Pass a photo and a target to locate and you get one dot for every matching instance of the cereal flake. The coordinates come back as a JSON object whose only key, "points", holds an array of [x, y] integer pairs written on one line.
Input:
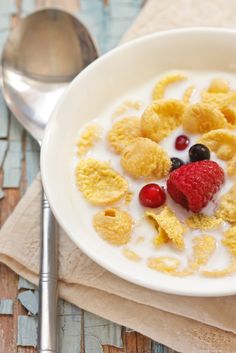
{"points": [[203, 222], [218, 85], [160, 87], [203, 117], [188, 93], [113, 225], [161, 118], [220, 100], [168, 226], [229, 240], [124, 132], [131, 255], [222, 142], [203, 248], [164, 264], [144, 158], [87, 140], [227, 206], [221, 272], [99, 183]]}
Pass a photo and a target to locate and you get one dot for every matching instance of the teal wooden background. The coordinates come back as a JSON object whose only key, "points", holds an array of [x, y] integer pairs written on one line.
{"points": [[19, 158]]}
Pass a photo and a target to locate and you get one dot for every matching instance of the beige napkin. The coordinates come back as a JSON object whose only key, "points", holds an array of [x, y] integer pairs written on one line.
{"points": [[186, 324]]}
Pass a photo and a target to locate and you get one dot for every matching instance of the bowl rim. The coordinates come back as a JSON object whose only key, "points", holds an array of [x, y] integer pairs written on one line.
{"points": [[137, 41]]}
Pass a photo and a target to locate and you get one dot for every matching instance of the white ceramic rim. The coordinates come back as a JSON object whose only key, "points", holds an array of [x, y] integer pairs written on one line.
{"points": [[93, 255]]}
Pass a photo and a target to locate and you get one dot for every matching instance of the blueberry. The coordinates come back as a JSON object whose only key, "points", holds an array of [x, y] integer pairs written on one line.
{"points": [[199, 152], [176, 163]]}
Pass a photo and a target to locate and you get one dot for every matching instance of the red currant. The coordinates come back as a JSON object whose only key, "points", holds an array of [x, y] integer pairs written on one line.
{"points": [[152, 195], [181, 142]]}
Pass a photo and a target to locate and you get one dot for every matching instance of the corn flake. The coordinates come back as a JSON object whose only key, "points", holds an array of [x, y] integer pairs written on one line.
{"points": [[227, 206], [159, 89], [99, 183], [221, 272], [131, 255], [161, 118], [230, 115], [220, 100], [218, 85], [128, 197], [168, 226], [125, 106], [163, 264], [203, 248], [231, 166], [203, 117], [113, 225], [188, 93], [123, 132], [89, 136], [144, 158], [203, 222], [222, 142], [230, 240]]}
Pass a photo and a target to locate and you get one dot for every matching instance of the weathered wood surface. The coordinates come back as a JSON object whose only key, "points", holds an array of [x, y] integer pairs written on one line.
{"points": [[78, 331]]}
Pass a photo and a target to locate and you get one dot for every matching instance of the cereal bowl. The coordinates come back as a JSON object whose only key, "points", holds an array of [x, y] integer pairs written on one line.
{"points": [[112, 79]]}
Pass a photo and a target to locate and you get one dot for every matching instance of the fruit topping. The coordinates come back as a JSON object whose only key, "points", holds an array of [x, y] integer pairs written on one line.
{"points": [[176, 163], [193, 185], [181, 142], [152, 195], [199, 152]]}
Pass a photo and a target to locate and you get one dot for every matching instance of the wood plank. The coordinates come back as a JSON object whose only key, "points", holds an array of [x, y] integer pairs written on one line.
{"points": [[6, 306], [8, 289], [32, 159], [3, 108], [24, 284], [69, 327], [99, 332], [12, 163], [27, 331], [29, 300]]}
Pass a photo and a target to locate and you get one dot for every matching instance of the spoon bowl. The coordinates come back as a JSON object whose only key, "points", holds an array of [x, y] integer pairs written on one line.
{"points": [[43, 53]]}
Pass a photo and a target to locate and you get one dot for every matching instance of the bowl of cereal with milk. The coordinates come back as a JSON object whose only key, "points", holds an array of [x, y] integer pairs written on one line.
{"points": [[139, 161]]}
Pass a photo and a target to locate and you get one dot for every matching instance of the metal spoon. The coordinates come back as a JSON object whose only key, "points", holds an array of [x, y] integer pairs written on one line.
{"points": [[43, 53]]}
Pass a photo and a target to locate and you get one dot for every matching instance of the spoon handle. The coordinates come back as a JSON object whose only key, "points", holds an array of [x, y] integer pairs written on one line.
{"points": [[47, 329]]}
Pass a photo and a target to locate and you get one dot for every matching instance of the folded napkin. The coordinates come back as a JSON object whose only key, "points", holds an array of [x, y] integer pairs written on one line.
{"points": [[186, 324]]}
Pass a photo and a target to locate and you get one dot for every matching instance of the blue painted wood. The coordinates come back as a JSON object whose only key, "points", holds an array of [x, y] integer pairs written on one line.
{"points": [[69, 327], [108, 24], [29, 300], [24, 284], [3, 116], [6, 306], [7, 7], [3, 149], [27, 331], [159, 348], [12, 162], [32, 159], [99, 332]]}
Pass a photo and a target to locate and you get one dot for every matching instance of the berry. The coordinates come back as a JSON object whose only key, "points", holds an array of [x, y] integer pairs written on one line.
{"points": [[193, 185], [199, 152], [176, 163], [181, 142], [152, 195]]}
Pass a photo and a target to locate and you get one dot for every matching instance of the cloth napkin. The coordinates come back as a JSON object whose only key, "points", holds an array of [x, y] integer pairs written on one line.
{"points": [[186, 324]]}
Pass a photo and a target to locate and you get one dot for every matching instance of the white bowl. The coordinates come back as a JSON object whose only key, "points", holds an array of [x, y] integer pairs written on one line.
{"points": [[109, 77]]}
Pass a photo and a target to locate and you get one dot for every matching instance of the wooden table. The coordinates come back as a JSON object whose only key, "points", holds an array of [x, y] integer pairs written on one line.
{"points": [[79, 331]]}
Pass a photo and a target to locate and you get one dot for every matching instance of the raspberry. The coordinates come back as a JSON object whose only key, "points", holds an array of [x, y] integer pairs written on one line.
{"points": [[193, 185], [152, 195]]}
